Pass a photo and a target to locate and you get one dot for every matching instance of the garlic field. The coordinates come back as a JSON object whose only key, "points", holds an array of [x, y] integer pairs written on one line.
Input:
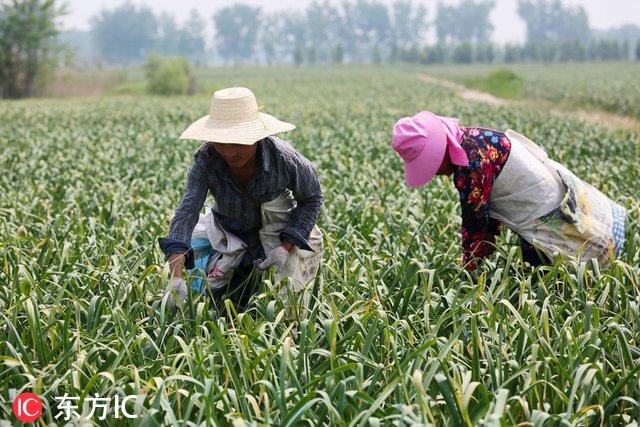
{"points": [[602, 86], [400, 335]]}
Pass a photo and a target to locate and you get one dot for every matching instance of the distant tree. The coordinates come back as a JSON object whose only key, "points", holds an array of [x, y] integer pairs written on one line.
{"points": [[579, 51], [467, 22], [394, 53], [376, 55], [80, 45], [372, 27], [463, 53], [125, 34], [294, 36], [490, 53], [601, 50], [312, 55], [269, 36], [335, 22], [625, 53], [572, 50], [607, 50], [411, 55], [548, 51], [338, 54], [434, 54], [348, 30], [626, 34], [168, 36], [551, 21], [638, 50], [376, 26], [511, 53], [445, 15], [424, 55], [321, 29], [485, 53], [565, 51], [28, 44], [535, 51], [186, 40], [407, 25], [237, 29], [614, 50], [298, 56], [191, 38], [591, 50]]}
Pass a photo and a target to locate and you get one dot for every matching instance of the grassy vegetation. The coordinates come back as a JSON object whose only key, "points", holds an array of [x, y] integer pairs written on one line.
{"points": [[503, 83], [609, 86], [401, 336]]}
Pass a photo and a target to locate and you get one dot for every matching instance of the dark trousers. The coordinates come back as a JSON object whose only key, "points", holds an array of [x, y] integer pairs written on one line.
{"points": [[244, 282], [531, 255]]}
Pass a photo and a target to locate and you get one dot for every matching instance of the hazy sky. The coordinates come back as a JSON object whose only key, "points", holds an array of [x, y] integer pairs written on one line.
{"points": [[508, 27]]}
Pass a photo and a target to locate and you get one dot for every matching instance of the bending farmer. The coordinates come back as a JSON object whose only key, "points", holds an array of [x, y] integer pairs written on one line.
{"points": [[267, 200], [506, 178]]}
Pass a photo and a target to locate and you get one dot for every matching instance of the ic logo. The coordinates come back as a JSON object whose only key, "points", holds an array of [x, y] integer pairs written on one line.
{"points": [[27, 407]]}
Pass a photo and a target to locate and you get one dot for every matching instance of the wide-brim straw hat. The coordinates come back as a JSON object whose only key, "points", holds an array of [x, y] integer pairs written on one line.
{"points": [[235, 118]]}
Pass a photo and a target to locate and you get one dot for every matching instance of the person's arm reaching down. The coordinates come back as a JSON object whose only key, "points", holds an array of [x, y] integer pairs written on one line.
{"points": [[177, 246], [306, 189], [478, 229]]}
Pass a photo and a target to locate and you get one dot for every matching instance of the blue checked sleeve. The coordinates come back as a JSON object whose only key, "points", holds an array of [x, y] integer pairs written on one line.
{"points": [[187, 213], [306, 189]]}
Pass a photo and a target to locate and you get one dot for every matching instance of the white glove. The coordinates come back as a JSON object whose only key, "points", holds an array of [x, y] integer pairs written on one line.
{"points": [[217, 278], [177, 291], [277, 258]]}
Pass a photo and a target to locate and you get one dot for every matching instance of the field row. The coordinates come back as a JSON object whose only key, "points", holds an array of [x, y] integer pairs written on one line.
{"points": [[612, 87], [400, 336]]}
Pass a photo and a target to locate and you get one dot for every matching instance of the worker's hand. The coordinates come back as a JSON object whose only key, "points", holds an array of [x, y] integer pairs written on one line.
{"points": [[176, 289], [277, 258], [217, 278], [176, 264]]}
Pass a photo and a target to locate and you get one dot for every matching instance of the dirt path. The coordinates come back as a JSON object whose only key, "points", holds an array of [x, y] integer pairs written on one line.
{"points": [[597, 118], [464, 92]]}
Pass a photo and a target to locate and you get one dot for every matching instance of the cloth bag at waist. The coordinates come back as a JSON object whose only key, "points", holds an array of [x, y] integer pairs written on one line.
{"points": [[547, 205], [217, 248], [525, 189]]}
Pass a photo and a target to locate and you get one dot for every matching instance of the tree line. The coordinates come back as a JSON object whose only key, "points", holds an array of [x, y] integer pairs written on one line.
{"points": [[357, 31], [366, 31]]}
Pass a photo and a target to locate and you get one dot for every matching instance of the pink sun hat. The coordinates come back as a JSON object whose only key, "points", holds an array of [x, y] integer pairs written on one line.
{"points": [[422, 140]]}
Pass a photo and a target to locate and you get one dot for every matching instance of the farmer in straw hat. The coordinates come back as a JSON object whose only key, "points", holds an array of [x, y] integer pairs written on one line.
{"points": [[504, 178], [244, 167]]}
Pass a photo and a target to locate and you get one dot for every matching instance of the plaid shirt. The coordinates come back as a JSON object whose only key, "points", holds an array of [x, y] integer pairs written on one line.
{"points": [[280, 166]]}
